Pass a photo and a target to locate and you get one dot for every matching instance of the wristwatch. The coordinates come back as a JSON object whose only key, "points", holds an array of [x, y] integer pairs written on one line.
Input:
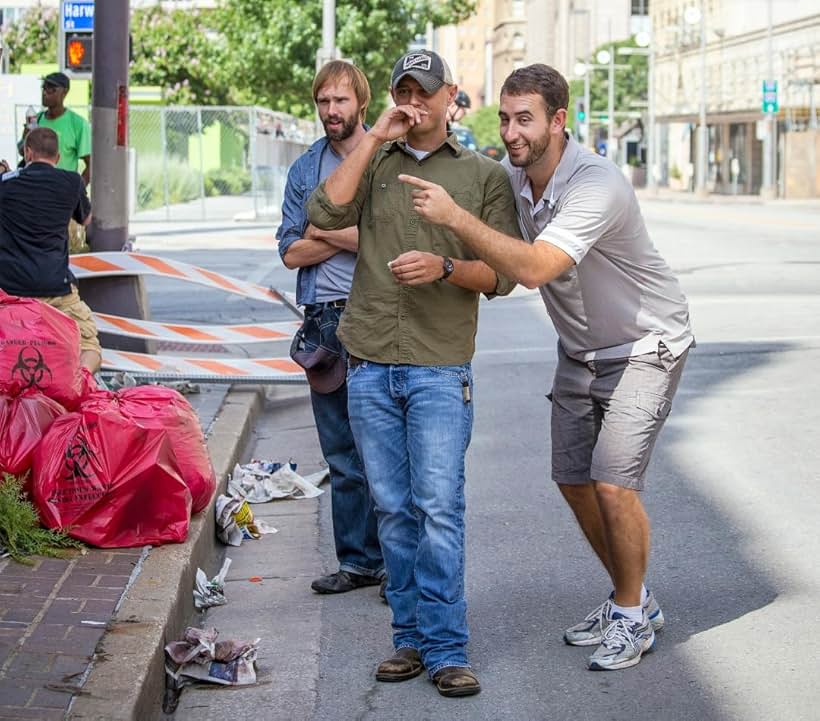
{"points": [[448, 266]]}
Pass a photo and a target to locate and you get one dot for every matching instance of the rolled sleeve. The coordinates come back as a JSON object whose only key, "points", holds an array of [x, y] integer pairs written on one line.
{"points": [[500, 214], [292, 227], [587, 213], [325, 214]]}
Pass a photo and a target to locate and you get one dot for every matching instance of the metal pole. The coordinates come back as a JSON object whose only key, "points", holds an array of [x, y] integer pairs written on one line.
{"points": [[651, 149], [163, 138], [768, 189], [109, 163], [587, 109], [109, 155], [253, 139], [328, 30], [610, 139], [703, 137], [489, 93], [201, 160]]}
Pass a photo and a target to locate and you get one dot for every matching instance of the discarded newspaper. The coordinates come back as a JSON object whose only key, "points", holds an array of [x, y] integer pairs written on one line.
{"points": [[211, 593], [263, 481], [235, 521], [199, 657]]}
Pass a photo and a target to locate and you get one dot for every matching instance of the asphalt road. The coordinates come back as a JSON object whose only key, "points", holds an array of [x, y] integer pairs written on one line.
{"points": [[733, 494]]}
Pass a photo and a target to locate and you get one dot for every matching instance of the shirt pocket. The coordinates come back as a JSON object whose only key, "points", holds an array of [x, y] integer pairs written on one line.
{"points": [[385, 201]]}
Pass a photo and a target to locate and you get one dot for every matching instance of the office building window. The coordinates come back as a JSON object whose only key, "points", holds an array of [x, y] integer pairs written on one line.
{"points": [[640, 7]]}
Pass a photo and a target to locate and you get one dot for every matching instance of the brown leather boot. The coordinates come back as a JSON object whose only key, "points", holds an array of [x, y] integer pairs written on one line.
{"points": [[403, 665], [456, 681]]}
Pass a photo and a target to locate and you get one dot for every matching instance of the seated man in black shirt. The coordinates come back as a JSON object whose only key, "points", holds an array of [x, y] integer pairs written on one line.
{"points": [[36, 204]]}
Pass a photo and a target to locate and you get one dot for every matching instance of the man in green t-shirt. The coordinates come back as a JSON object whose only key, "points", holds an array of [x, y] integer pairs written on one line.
{"points": [[72, 129]]}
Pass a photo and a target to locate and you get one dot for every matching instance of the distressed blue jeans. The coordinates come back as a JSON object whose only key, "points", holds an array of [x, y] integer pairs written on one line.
{"points": [[413, 427]]}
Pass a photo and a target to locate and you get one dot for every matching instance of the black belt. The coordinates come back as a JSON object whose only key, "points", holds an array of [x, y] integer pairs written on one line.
{"points": [[328, 304], [353, 361]]}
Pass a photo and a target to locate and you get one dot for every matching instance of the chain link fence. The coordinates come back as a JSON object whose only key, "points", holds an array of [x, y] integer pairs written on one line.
{"points": [[195, 163]]}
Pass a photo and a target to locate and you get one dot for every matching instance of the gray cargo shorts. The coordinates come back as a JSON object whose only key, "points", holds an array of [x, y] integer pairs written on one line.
{"points": [[607, 414]]}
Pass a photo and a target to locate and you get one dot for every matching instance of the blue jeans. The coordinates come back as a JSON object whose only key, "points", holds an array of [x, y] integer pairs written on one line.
{"points": [[355, 530], [413, 426]]}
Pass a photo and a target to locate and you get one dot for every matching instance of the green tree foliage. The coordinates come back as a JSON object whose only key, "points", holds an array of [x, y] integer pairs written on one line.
{"points": [[272, 44], [182, 52], [631, 85], [33, 38], [484, 124]]}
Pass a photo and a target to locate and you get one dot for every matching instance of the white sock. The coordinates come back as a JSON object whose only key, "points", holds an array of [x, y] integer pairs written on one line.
{"points": [[633, 613], [644, 595]]}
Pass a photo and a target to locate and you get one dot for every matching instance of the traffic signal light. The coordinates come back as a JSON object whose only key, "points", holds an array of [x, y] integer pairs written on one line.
{"points": [[79, 51], [580, 111]]}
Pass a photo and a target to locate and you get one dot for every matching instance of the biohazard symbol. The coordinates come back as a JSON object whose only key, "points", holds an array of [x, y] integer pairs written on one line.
{"points": [[78, 458], [31, 369]]}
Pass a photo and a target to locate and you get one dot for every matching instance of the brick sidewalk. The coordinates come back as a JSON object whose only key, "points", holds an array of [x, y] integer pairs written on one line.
{"points": [[54, 613]]}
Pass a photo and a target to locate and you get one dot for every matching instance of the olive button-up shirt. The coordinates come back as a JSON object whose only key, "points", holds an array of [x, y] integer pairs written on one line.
{"points": [[431, 324]]}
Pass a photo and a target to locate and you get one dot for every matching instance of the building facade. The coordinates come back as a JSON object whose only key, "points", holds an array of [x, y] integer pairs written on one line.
{"points": [[740, 53]]}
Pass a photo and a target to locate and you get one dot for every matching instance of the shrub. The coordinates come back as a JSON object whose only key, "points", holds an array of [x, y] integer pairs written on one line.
{"points": [[227, 181], [183, 181]]}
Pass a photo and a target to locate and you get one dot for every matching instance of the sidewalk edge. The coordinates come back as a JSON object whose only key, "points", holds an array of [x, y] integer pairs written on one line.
{"points": [[127, 679]]}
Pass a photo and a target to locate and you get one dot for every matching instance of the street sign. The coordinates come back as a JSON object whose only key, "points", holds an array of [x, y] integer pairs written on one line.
{"points": [[76, 37], [770, 103], [78, 15]]}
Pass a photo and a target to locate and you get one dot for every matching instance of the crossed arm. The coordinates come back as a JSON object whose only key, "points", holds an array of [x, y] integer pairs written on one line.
{"points": [[319, 245]]}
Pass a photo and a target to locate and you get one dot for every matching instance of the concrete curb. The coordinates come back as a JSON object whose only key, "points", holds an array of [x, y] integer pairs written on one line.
{"points": [[127, 679]]}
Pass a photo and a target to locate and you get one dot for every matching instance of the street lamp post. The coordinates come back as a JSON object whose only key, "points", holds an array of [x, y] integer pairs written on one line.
{"points": [[646, 47], [696, 15], [768, 189], [606, 59], [610, 130]]}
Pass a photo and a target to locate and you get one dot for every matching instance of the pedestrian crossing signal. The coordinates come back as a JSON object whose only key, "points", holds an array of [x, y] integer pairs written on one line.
{"points": [[79, 51]]}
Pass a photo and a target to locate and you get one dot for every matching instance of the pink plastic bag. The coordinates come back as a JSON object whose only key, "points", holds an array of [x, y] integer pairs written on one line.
{"points": [[158, 407], [24, 419], [109, 481], [39, 350]]}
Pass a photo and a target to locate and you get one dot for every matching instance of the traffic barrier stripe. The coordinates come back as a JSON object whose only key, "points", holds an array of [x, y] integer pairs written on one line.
{"points": [[271, 369], [189, 333], [91, 265]]}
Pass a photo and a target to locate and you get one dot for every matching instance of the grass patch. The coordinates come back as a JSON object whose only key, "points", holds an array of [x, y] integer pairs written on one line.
{"points": [[20, 531]]}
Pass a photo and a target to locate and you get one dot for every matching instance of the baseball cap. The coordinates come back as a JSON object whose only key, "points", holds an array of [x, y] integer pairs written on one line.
{"points": [[425, 66], [59, 79]]}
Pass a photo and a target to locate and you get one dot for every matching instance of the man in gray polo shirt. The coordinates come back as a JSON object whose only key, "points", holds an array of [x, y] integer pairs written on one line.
{"points": [[624, 333]]}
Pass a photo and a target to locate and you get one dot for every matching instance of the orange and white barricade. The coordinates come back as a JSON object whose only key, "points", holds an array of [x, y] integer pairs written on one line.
{"points": [[167, 367]]}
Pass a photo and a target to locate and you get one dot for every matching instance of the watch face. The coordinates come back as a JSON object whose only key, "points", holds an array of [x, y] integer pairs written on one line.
{"points": [[448, 267]]}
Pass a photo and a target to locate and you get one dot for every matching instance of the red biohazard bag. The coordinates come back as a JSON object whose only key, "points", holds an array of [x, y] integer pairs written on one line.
{"points": [[24, 419], [159, 407], [109, 481], [165, 408], [39, 349], [88, 384]]}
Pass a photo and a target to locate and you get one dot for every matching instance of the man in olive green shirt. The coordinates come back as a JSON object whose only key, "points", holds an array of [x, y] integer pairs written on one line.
{"points": [[410, 325]]}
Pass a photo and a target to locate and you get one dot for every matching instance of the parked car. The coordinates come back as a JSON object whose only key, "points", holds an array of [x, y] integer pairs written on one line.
{"points": [[465, 136], [493, 151]]}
